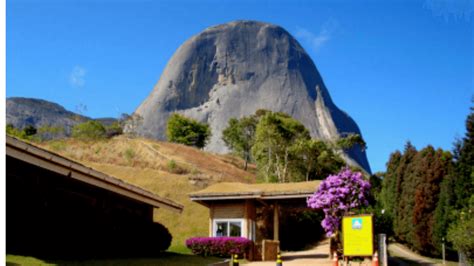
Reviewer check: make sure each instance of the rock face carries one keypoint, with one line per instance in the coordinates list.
(234, 69)
(21, 112)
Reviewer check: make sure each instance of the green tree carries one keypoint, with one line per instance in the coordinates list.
(181, 129)
(459, 203)
(275, 134)
(389, 185)
(376, 188)
(351, 140)
(464, 165)
(115, 129)
(444, 212)
(433, 165)
(425, 192)
(27, 133)
(406, 184)
(284, 150)
(461, 232)
(298, 156)
(239, 136)
(316, 158)
(15, 132)
(90, 130)
(410, 194)
(30, 130)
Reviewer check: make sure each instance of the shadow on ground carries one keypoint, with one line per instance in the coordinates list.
(308, 256)
(398, 261)
(165, 259)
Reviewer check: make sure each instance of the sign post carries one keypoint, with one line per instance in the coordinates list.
(444, 254)
(382, 247)
(357, 236)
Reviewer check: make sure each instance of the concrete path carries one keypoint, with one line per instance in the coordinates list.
(397, 250)
(318, 255)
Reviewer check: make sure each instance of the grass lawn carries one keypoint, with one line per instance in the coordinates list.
(167, 259)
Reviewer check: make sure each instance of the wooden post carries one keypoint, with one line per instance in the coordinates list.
(247, 223)
(276, 222)
(444, 252)
(211, 216)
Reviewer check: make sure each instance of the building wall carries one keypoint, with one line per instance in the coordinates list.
(51, 215)
(230, 210)
(234, 209)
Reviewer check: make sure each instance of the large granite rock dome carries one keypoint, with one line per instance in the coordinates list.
(234, 69)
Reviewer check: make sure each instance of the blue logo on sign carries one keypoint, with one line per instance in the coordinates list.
(357, 223)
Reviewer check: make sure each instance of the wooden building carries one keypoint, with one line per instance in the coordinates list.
(252, 210)
(56, 207)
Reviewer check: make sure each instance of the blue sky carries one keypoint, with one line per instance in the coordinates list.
(402, 69)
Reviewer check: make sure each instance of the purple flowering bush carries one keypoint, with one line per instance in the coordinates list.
(218, 246)
(337, 195)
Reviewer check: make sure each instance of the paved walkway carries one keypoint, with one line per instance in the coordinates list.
(397, 250)
(318, 255)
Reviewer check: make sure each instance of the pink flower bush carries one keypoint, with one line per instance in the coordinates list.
(218, 246)
(337, 195)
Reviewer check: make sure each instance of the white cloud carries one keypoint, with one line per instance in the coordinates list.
(457, 9)
(77, 76)
(316, 41)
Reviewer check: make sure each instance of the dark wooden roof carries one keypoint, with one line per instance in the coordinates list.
(70, 169)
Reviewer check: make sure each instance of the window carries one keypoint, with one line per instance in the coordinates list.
(228, 227)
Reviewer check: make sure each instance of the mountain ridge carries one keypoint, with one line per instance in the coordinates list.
(23, 111)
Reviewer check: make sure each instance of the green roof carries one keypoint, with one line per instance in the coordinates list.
(233, 190)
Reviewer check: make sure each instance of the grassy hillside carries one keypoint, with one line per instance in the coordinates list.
(167, 169)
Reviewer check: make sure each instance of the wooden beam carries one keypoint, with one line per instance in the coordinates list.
(276, 222)
(246, 219)
(211, 217)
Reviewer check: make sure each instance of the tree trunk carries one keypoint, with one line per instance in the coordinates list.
(268, 163)
(308, 170)
(285, 169)
(247, 159)
(278, 168)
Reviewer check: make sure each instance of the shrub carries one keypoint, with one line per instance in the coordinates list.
(14, 132)
(90, 130)
(187, 131)
(129, 154)
(28, 133)
(30, 130)
(174, 168)
(114, 129)
(171, 166)
(218, 246)
(47, 132)
(461, 231)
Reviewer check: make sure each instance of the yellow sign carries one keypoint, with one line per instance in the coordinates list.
(357, 235)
